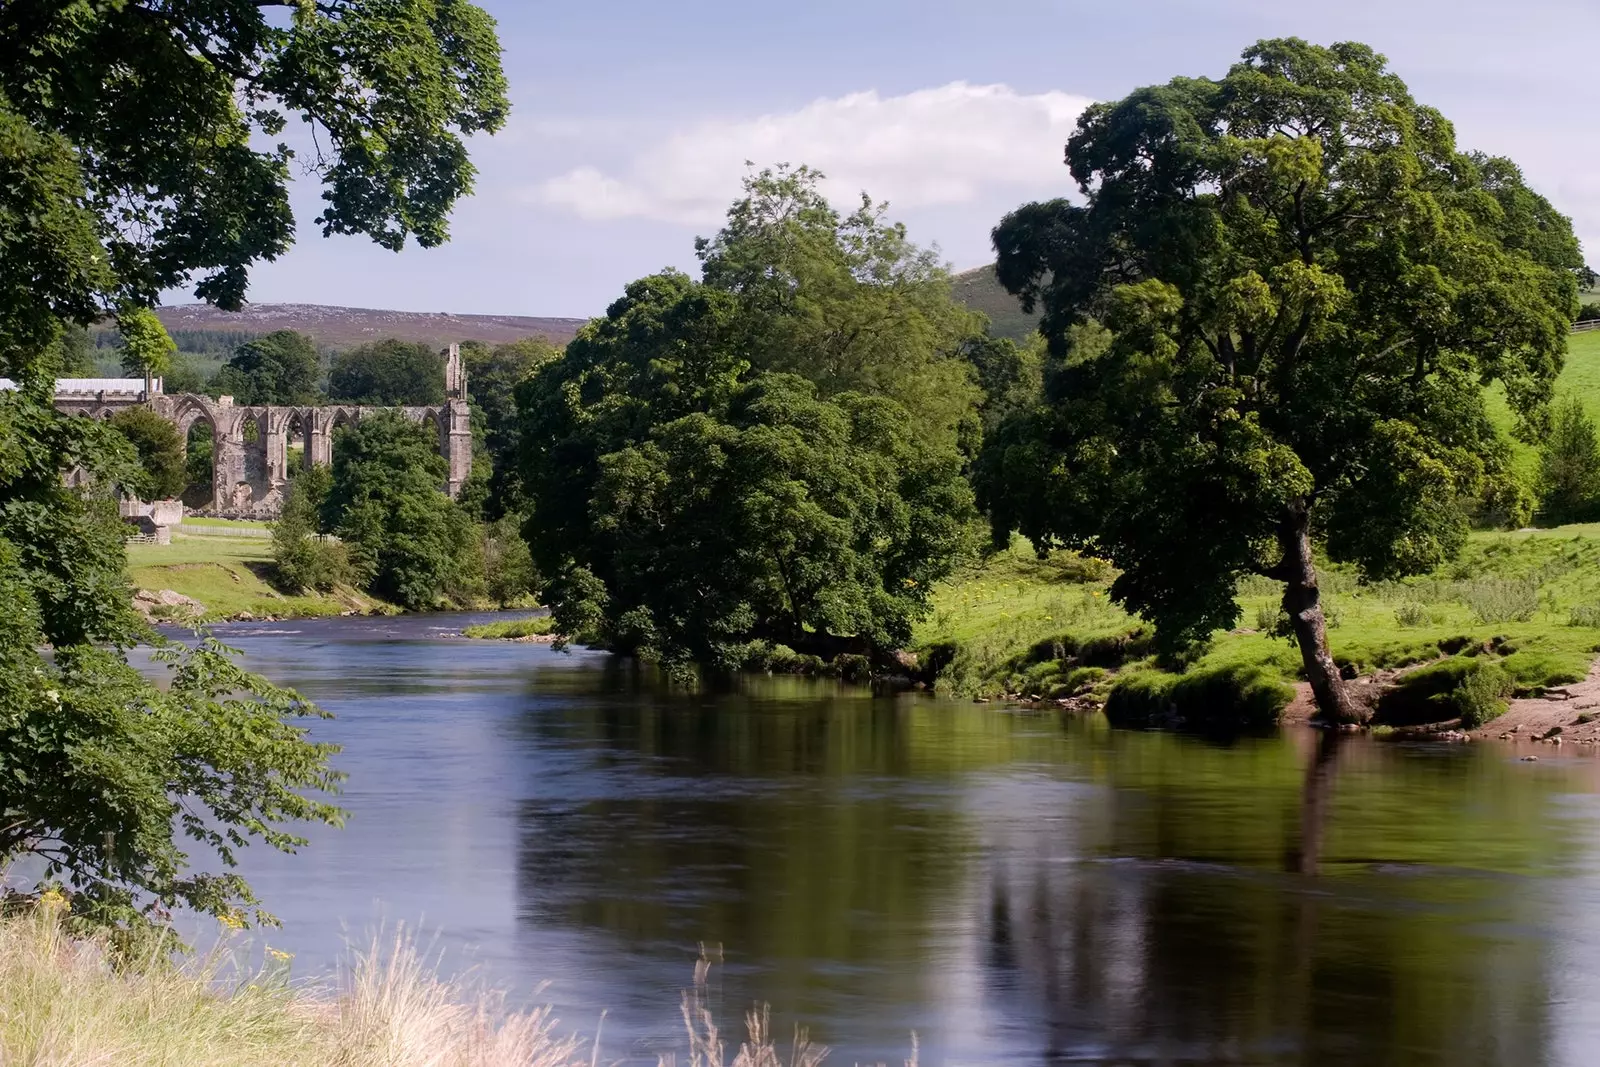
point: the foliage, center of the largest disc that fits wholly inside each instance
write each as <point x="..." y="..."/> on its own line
<point x="1009" y="373"/>
<point x="684" y="507"/>
<point x="493" y="373"/>
<point x="1471" y="688"/>
<point x="160" y="450"/>
<point x="508" y="570"/>
<point x="1302" y="285"/>
<point x="198" y="469"/>
<point x="513" y="629"/>
<point x="161" y="103"/>
<point x="301" y="556"/>
<point x="387" y="373"/>
<point x="1501" y="599"/>
<point x="1569" y="466"/>
<point x="846" y="301"/>
<point x="404" y="536"/>
<point x="767" y="455"/>
<point x="72" y="353"/>
<point x="280" y="368"/>
<point x="127" y="169"/>
<point x="146" y="348"/>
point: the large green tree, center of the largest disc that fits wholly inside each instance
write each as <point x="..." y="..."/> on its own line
<point x="281" y="368"/>
<point x="137" y="155"/>
<point x="388" y="373"/>
<point x="1271" y="315"/>
<point x="160" y="451"/>
<point x="493" y="373"/>
<point x="844" y="300"/>
<point x="406" y="539"/>
<point x="686" y="506"/>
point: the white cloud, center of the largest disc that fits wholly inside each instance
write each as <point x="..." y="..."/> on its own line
<point x="948" y="145"/>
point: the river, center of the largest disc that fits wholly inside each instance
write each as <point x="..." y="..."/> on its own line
<point x="1013" y="887"/>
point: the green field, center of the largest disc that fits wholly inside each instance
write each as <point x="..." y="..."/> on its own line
<point x="245" y="524"/>
<point x="229" y="577"/>
<point x="1015" y="624"/>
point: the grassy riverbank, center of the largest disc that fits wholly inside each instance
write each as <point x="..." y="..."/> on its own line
<point x="61" y="1002"/>
<point x="532" y="628"/>
<point x="1014" y="624"/>
<point x="227" y="576"/>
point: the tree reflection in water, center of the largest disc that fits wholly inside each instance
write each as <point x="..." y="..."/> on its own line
<point x="1033" y="889"/>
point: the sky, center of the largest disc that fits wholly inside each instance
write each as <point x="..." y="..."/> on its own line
<point x="632" y="122"/>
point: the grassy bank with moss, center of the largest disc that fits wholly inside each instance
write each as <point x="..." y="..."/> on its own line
<point x="1017" y="626"/>
<point x="227" y="577"/>
<point x="532" y="628"/>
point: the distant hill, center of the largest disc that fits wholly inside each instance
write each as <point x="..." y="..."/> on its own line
<point x="340" y="327"/>
<point x="979" y="290"/>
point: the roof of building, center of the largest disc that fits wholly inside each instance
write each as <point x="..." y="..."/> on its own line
<point x="80" y="386"/>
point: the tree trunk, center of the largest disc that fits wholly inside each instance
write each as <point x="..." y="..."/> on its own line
<point x="1303" y="603"/>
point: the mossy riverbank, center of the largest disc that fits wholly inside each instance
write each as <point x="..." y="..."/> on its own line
<point x="1017" y="626"/>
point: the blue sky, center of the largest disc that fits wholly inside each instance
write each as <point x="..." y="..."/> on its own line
<point x="631" y="120"/>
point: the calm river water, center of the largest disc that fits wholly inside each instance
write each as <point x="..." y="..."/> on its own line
<point x="1013" y="887"/>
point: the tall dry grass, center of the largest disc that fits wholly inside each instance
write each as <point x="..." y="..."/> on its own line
<point x="64" y="1004"/>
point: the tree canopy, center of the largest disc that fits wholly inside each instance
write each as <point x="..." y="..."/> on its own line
<point x="387" y="373"/>
<point x="404" y="536"/>
<point x="140" y="151"/>
<point x="732" y="464"/>
<point x="1270" y="316"/>
<point x="160" y="449"/>
<point x="281" y="368"/>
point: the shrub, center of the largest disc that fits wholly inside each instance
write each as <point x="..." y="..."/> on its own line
<point x="509" y="575"/>
<point x="1585" y="615"/>
<point x="1569" y="466"/>
<point x="1501" y="599"/>
<point x="1481" y="695"/>
<point x="311" y="563"/>
<point x="302" y="559"/>
<point x="1472" y="688"/>
<point x="160" y="450"/>
<point x="1412" y="614"/>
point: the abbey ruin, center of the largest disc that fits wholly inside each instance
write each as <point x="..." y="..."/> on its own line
<point x="251" y="446"/>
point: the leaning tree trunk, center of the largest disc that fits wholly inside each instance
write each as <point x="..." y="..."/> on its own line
<point x="1303" y="603"/>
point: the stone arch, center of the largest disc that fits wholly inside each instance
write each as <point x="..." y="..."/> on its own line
<point x="299" y="427"/>
<point x="197" y="425"/>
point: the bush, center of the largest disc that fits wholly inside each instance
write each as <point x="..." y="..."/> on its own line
<point x="1569" y="466"/>
<point x="311" y="563"/>
<point x="302" y="558"/>
<point x="1481" y="695"/>
<point x="1585" y="615"/>
<point x="1501" y="599"/>
<point x="1412" y="614"/>
<point x="1471" y="688"/>
<point x="509" y="575"/>
<point x="160" y="449"/>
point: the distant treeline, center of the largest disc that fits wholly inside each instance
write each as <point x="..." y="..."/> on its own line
<point x="212" y="344"/>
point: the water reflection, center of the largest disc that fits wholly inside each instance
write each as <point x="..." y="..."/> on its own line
<point x="1014" y="887"/>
